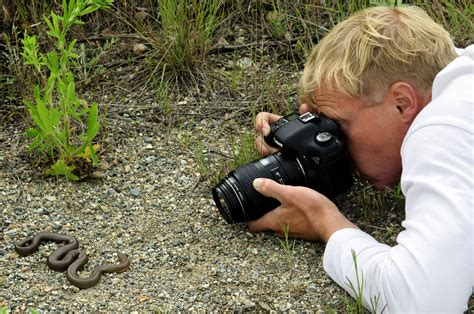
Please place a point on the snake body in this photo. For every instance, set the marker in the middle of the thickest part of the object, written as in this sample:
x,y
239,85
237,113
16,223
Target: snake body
x,y
69,258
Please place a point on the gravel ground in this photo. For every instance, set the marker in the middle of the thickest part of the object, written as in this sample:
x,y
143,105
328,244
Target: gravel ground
x,y
152,205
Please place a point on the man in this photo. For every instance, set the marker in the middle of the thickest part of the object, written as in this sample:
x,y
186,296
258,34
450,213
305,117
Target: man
x,y
403,96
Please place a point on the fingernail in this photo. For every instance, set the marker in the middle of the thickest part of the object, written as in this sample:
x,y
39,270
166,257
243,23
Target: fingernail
x,y
265,130
257,183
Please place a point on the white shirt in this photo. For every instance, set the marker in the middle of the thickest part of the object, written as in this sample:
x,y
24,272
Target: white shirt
x,y
431,268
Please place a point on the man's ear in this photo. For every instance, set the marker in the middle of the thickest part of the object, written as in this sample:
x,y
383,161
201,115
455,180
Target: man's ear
x,y
405,100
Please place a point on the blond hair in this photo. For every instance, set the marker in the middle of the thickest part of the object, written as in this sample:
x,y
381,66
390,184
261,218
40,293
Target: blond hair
x,y
365,54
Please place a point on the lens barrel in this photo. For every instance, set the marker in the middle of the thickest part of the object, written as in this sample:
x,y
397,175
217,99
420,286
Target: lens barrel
x,y
236,197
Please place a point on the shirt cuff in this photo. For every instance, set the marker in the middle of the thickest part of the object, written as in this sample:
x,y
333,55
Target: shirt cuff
x,y
334,249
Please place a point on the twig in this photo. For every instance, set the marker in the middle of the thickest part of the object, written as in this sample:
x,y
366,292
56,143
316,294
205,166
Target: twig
x,y
228,48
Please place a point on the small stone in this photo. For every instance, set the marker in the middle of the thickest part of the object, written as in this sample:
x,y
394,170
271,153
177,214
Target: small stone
x,y
5,295
135,192
148,146
311,287
48,289
244,63
51,198
141,15
127,169
139,49
148,139
254,251
222,42
150,159
97,175
265,306
248,304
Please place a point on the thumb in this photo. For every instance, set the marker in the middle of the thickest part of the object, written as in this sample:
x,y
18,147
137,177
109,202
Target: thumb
x,y
270,188
304,108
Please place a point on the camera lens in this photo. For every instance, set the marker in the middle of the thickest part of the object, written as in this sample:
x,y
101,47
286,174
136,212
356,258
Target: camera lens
x,y
235,196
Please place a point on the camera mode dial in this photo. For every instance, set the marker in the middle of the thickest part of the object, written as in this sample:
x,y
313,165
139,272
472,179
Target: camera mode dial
x,y
324,138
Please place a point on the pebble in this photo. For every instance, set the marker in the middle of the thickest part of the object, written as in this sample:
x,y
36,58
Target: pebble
x,y
135,192
244,63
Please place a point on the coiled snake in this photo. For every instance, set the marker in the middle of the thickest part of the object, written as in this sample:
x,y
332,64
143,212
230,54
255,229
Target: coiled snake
x,y
69,258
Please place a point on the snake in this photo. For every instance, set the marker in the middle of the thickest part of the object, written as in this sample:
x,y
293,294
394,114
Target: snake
x,y
70,258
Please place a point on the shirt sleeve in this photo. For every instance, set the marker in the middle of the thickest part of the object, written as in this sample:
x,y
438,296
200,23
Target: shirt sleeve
x,y
431,267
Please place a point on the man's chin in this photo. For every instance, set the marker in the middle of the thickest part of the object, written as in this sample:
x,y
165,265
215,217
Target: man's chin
x,y
377,184
380,185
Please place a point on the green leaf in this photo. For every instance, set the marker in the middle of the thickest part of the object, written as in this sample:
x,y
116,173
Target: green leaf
x,y
35,144
92,122
43,114
48,93
71,92
37,92
48,22
95,159
56,32
54,117
32,132
88,10
70,50
60,168
64,5
52,62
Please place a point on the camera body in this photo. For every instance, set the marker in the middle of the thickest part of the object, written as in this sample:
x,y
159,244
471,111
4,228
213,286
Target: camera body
x,y
316,142
311,154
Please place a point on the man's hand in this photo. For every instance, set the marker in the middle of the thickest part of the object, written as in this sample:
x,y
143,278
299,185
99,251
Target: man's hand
x,y
308,214
262,124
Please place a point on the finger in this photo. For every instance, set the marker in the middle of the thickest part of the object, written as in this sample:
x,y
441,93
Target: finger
x,y
265,223
271,189
263,121
304,108
263,148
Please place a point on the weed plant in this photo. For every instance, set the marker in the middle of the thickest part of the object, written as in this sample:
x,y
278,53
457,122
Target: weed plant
x,y
358,289
287,245
86,66
241,151
289,250
186,29
24,13
64,126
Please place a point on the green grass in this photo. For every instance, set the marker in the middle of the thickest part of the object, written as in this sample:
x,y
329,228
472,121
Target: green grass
x,y
6,310
373,204
241,150
87,65
288,247
182,32
357,289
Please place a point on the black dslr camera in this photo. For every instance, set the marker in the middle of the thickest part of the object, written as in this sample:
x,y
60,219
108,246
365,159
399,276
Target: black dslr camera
x,y
311,154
